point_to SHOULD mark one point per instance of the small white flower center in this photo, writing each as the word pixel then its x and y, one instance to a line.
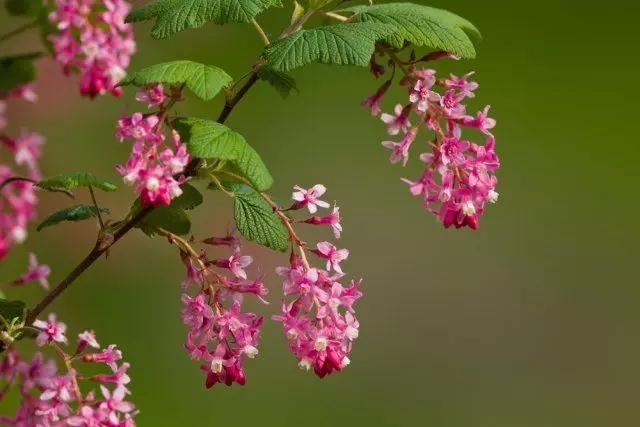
pixel 493 196
pixel 292 334
pixel 216 365
pixel 345 362
pixel 320 344
pixel 250 351
pixel 352 333
pixel 175 191
pixel 468 209
pixel 305 364
pixel 334 303
pixel 153 184
pixel 117 73
pixel 19 234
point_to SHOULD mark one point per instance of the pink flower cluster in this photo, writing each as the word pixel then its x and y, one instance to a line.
pixel 459 178
pixel 50 398
pixel 317 312
pixel 221 336
pixel 18 199
pixel 94 40
pixel 154 163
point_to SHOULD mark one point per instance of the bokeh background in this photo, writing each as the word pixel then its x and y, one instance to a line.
pixel 532 321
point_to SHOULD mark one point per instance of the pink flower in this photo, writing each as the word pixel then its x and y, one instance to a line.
pixel 463 84
pixel 236 263
pixel 37 273
pixel 28 150
pixel 87 339
pixel 119 376
pixel 397 122
pixel 332 219
pixel 400 150
pixel 374 100
pixel 421 94
pixel 196 311
pixel 482 121
pixel 152 94
pixel 333 255
pixel 93 39
pixel 109 356
pixel 310 198
pixel 51 331
pixel 114 403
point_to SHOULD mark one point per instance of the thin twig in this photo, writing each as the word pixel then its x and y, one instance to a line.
pixel 97 208
pixel 260 31
pixel 336 16
pixel 18 31
pixel 35 183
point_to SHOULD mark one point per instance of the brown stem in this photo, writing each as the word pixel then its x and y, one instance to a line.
pixel 108 240
pixel 18 31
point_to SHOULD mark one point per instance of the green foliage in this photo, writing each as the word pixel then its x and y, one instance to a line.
pixel 17 70
pixel 72 213
pixel 75 180
pixel 10 310
pixel 174 217
pixel 283 83
pixel 23 8
pixel 340 44
pixel 421 26
pixel 205 81
pixel 207 139
pixel 256 220
pixel 173 16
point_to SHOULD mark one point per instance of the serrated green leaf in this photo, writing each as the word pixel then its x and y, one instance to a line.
pixel 172 218
pixel 75 180
pixel 340 44
pixel 12 309
pixel 17 70
pixel 207 139
pixel 72 213
pixel 23 8
pixel 421 26
pixel 173 16
pixel 256 220
pixel 283 83
pixel 205 81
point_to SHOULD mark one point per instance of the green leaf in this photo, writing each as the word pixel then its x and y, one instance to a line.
pixel 256 220
pixel 12 309
pixel 421 26
pixel 340 44
pixel 283 83
pixel 75 180
pixel 173 16
pixel 17 70
pixel 23 8
pixel 203 80
pixel 72 213
pixel 172 218
pixel 207 139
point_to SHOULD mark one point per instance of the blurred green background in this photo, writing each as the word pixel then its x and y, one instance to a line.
pixel 531 321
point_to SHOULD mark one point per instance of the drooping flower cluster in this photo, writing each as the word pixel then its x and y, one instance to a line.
pixel 221 336
pixel 317 312
pixel 53 398
pixel 154 163
pixel 94 40
pixel 18 199
pixel 459 178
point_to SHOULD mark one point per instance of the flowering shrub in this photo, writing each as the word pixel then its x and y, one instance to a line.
pixel 172 156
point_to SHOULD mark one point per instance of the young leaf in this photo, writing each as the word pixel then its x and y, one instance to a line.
pixel 23 8
pixel 340 44
pixel 421 26
pixel 172 218
pixel 256 220
pixel 172 16
pixel 12 309
pixel 72 213
pixel 283 83
pixel 203 80
pixel 207 139
pixel 17 70
pixel 75 180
